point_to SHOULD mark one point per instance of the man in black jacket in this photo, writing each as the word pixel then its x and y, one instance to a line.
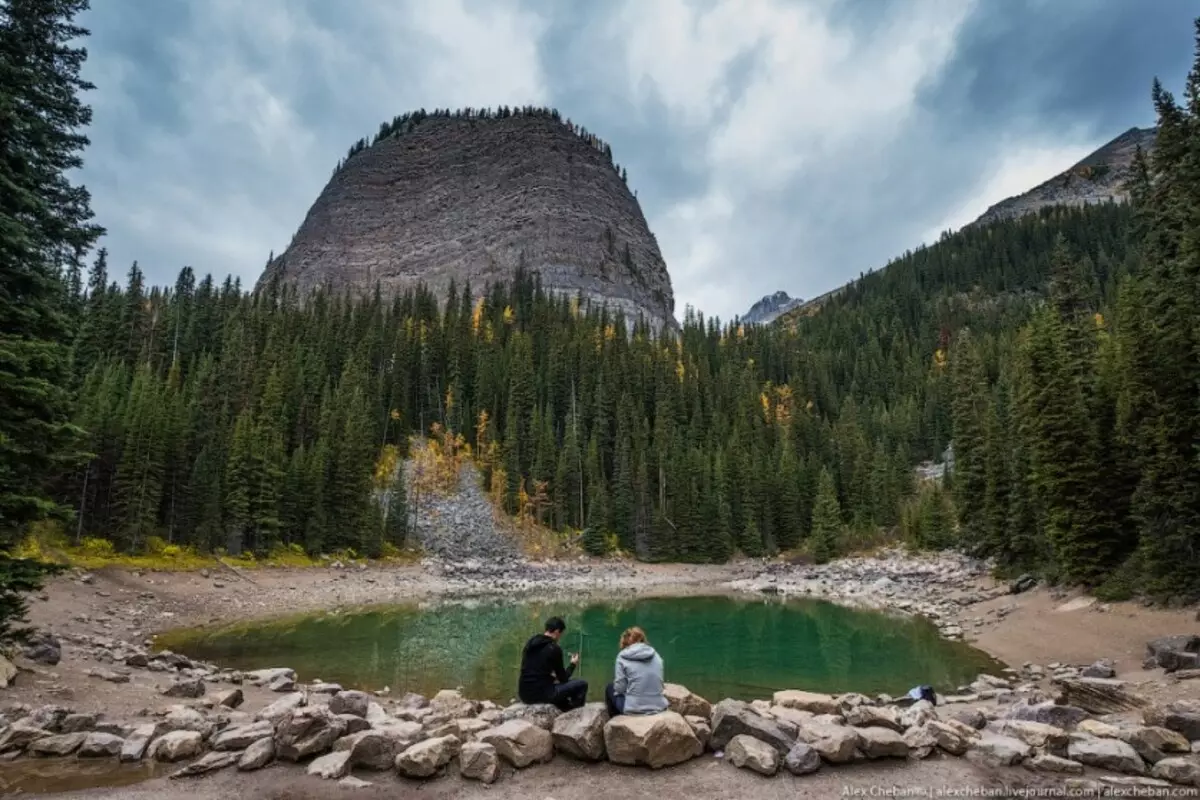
pixel 544 679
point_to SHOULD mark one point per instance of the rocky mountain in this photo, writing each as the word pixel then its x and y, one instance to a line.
pixel 473 196
pixel 1099 178
pixel 770 307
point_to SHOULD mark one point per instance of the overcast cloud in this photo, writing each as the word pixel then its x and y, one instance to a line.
pixel 774 144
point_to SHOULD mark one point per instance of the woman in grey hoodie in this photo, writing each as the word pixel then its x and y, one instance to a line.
pixel 638 684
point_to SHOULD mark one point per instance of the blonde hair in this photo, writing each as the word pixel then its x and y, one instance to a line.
pixel 632 636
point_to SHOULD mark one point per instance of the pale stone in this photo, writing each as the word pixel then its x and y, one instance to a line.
pixel 369 749
pixel 654 740
pixel 479 762
pixel 996 750
pixel 282 707
pixel 685 702
pixel 331 766
pixel 307 732
pixel 257 755
pixel 747 752
pixel 425 759
pixel 835 743
pixel 176 746
pixel 350 702
pixel 520 743
pixel 1184 770
pixel 230 698
pixel 452 704
pixel 580 732
pixel 875 717
pixel 137 742
pixel 876 742
pixel 1110 754
pixel 802 759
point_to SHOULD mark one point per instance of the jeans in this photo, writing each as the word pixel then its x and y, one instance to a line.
pixel 614 701
pixel 572 694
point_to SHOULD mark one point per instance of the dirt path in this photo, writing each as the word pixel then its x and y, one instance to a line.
pixel 705 778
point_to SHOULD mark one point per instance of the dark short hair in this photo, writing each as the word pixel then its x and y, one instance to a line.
pixel 555 624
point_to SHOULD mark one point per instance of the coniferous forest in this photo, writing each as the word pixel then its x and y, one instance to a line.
pixel 1059 353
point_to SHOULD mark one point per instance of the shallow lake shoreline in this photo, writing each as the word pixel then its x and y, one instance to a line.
pixel 126 606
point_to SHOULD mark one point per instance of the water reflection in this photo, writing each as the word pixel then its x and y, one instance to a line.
pixel 717 646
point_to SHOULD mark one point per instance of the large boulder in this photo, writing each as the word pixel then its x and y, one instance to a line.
pixel 61 745
pixel 1099 695
pixel 653 740
pixel 1060 716
pixel 1036 734
pixel 1000 751
pixel 802 759
pixel 733 718
pixel 1181 716
pixel 79 723
pixel 101 745
pixel 1110 754
pixel 239 737
pixel 306 732
pixel 702 728
pixel 263 677
pixel 746 752
pixel 875 717
pixel 921 741
pixel 479 762
pixel 137 742
pixel 230 698
pixel 176 746
pixel 350 702
pixel 257 755
pixel 836 744
pixel 540 714
pixel 812 702
pixel 425 759
pixel 685 702
pixel 369 749
pixel 1174 652
pixel 21 734
pixel 1154 743
pixel 1184 770
pixel 183 718
pixel 951 738
pixel 918 714
pixel 580 732
pixel 8 672
pixel 452 704
pixel 402 734
pixel 520 743
pixel 283 707
pixel 877 742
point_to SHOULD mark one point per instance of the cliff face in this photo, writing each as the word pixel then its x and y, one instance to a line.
pixel 770 307
pixel 1099 178
pixel 472 199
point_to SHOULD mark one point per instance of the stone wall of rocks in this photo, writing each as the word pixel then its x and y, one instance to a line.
pixel 1085 722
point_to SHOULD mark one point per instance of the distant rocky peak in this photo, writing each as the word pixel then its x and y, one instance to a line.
pixel 770 307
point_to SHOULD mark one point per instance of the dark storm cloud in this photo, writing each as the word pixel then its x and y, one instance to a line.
pixel 773 144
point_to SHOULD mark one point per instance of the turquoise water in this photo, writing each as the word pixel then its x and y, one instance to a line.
pixel 716 646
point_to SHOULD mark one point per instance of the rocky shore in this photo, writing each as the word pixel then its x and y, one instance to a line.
pixel 1078 725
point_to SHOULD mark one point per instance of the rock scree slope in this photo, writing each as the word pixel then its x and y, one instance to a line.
pixel 475 198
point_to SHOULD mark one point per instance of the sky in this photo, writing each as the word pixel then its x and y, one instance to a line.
pixel 773 144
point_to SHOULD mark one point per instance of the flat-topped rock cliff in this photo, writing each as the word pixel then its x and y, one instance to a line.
pixel 473 197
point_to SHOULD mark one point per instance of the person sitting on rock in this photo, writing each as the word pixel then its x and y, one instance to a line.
pixel 544 679
pixel 637 687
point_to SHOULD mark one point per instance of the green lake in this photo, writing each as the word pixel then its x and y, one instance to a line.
pixel 717 646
